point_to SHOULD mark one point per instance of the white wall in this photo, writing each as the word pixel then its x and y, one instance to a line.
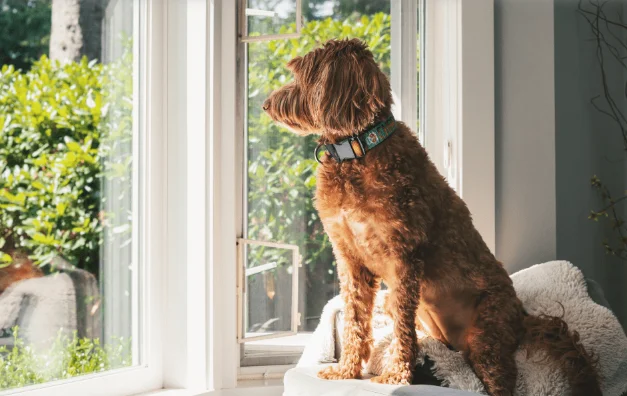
pixel 525 133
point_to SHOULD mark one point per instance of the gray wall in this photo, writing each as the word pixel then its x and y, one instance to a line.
pixel 550 141
pixel 587 143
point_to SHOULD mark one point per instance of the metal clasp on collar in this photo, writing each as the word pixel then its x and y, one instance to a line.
pixel 359 144
pixel 351 148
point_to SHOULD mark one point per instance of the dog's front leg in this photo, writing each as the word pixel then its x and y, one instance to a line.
pixel 402 305
pixel 358 289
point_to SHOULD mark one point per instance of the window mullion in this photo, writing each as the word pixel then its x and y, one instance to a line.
pixel 404 63
pixel 225 170
pixel 409 62
pixel 185 357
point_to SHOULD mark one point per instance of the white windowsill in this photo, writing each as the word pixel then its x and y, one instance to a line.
pixel 293 342
pixel 247 388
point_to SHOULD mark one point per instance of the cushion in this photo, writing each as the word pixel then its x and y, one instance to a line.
pixel 303 380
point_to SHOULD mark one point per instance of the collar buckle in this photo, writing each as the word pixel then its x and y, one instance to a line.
pixel 357 146
pixel 354 147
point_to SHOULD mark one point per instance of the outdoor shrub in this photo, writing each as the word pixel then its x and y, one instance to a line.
pixel 58 125
pixel 66 357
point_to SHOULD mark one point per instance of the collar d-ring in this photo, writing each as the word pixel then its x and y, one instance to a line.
pixel 316 152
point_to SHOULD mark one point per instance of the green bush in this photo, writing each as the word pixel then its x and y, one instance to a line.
pixel 281 169
pixel 66 357
pixel 58 126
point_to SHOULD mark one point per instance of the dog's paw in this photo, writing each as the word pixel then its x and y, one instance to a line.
pixel 394 378
pixel 337 372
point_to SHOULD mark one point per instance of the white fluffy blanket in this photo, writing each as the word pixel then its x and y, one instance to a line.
pixel 541 288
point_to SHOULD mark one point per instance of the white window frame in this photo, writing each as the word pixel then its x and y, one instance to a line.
pixel 243 23
pixel 459 103
pixel 190 216
pixel 149 297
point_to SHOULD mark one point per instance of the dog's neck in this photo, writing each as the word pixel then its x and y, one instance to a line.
pixel 335 137
pixel 357 145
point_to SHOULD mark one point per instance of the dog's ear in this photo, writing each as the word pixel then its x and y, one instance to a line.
pixel 352 88
pixel 295 64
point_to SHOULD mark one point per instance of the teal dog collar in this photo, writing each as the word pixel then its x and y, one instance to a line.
pixel 357 146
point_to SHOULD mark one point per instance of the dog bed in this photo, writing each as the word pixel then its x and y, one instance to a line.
pixel 541 288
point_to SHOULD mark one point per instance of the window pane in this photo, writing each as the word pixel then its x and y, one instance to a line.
pixel 264 18
pixel 268 290
pixel 281 167
pixel 68 190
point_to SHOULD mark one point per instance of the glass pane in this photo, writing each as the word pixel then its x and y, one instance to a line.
pixel 68 246
pixel 270 17
pixel 281 168
pixel 268 290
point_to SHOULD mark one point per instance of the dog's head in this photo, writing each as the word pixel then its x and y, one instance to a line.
pixel 338 90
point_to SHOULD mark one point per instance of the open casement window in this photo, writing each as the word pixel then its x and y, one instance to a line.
pixel 262 20
pixel 278 176
pixel 267 290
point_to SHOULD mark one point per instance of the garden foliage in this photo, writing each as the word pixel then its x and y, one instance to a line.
pixel 59 125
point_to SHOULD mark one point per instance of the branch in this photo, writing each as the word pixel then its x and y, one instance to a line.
pixel 613 204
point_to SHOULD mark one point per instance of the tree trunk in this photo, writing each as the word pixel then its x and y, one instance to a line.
pixel 76 29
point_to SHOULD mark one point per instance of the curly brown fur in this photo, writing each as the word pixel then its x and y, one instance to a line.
pixel 391 216
pixel 551 335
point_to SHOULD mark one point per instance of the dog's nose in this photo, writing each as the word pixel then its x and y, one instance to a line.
pixel 266 105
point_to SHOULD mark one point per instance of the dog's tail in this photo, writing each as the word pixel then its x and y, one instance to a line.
pixel 551 334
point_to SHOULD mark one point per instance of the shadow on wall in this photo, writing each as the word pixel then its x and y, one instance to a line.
pixel 588 143
pixel 550 141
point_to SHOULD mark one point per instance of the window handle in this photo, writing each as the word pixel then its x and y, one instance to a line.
pixel 448 154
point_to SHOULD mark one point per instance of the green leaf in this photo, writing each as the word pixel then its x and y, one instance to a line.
pixel 61 207
pixel 5 259
pixel 73 146
pixel 45 239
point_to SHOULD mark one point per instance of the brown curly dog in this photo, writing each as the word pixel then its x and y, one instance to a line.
pixel 392 217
